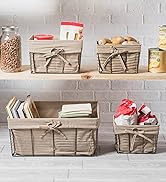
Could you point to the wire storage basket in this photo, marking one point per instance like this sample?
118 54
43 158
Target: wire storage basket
55 56
51 136
118 59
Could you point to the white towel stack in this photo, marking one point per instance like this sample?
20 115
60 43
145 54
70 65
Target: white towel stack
76 110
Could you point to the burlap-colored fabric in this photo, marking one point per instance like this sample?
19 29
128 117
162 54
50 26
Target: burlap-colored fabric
22 141
77 142
54 136
55 56
136 138
118 59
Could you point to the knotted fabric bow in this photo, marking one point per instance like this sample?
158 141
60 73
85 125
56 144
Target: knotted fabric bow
55 53
114 53
136 132
52 126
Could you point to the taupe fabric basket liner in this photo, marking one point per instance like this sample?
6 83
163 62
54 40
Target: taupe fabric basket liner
55 56
118 59
50 136
136 138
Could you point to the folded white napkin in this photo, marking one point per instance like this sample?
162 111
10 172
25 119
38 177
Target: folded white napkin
76 110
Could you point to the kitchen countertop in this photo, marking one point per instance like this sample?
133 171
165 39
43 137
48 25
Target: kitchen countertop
87 72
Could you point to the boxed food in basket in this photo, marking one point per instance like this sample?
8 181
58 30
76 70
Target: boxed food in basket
55 56
51 135
118 55
135 131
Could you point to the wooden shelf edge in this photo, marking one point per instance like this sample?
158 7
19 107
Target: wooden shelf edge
87 72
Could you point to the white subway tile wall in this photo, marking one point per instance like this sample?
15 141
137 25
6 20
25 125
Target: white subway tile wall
107 93
102 19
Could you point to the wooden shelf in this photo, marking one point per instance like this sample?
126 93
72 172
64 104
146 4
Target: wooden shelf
85 70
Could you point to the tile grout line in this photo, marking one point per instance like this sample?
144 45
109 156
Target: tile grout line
160 95
77 85
128 157
68 173
44 19
2 148
110 85
159 8
60 8
144 85
94 96
109 19
61 95
93 8
77 18
143 19
126 8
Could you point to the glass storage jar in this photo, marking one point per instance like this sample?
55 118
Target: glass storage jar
10 49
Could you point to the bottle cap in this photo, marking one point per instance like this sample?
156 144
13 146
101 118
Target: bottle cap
9 28
43 37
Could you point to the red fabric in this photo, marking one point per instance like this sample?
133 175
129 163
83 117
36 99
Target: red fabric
142 107
125 108
143 118
43 37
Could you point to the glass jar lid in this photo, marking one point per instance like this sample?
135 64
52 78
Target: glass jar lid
9 28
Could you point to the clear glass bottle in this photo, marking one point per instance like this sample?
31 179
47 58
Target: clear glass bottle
10 49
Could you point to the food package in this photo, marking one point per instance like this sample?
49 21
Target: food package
43 37
71 31
157 60
145 116
126 113
118 40
162 37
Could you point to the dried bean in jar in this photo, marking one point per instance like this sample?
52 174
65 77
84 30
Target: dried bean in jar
10 51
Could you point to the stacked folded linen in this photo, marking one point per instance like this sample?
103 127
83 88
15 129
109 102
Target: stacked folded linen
76 110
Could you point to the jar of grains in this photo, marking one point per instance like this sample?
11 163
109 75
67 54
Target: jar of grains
10 49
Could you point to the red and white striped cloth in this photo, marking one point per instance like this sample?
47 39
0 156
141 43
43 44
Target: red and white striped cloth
127 114
145 116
